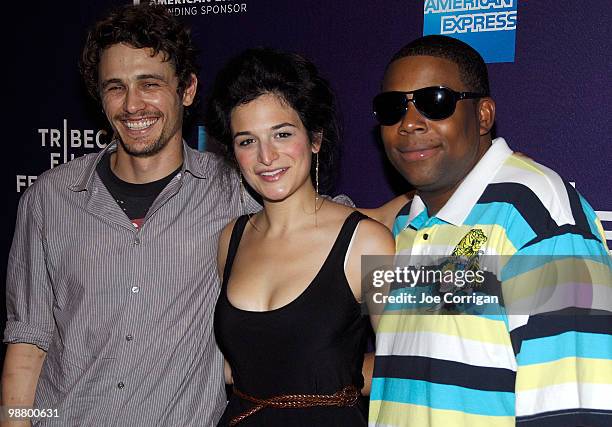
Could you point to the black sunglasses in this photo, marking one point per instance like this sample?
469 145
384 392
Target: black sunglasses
434 103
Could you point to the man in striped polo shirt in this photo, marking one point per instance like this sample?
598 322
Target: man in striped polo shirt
547 364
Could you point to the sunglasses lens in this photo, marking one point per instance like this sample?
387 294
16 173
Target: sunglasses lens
390 107
435 103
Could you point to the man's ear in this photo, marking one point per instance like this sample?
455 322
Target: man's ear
317 139
190 91
486 115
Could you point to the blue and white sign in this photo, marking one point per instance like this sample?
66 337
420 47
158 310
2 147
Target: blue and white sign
489 26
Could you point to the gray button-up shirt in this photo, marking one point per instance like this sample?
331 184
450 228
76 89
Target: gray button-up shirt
124 314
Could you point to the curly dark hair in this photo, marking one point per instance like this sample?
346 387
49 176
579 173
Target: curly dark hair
293 79
472 68
140 26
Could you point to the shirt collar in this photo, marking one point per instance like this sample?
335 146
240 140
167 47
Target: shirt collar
190 164
465 197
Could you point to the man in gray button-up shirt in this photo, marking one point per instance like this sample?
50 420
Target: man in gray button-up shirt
110 316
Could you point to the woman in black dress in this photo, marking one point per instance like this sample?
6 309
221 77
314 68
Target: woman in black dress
288 319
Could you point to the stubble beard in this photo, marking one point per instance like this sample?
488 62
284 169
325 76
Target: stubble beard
155 147
149 150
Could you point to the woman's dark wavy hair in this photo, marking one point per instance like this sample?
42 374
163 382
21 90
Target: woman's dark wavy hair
140 26
291 77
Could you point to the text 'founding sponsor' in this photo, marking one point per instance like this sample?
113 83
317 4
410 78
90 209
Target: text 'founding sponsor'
458 16
202 7
62 142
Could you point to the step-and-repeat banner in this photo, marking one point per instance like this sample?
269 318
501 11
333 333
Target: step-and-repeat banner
549 64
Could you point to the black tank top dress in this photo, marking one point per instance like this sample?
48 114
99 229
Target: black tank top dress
313 345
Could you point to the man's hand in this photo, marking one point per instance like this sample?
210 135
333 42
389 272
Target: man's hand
386 213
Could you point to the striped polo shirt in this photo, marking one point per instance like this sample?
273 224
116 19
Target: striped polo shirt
551 367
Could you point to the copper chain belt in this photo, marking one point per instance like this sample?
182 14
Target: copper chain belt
348 396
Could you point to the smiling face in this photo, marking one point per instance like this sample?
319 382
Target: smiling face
434 156
140 99
272 147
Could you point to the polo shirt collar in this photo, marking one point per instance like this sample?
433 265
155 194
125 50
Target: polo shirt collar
465 197
190 164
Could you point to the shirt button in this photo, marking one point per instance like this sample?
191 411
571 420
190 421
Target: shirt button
425 236
136 241
135 289
129 337
120 385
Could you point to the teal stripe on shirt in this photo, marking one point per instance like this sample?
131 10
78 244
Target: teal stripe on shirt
569 344
519 233
399 224
534 256
443 396
565 244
